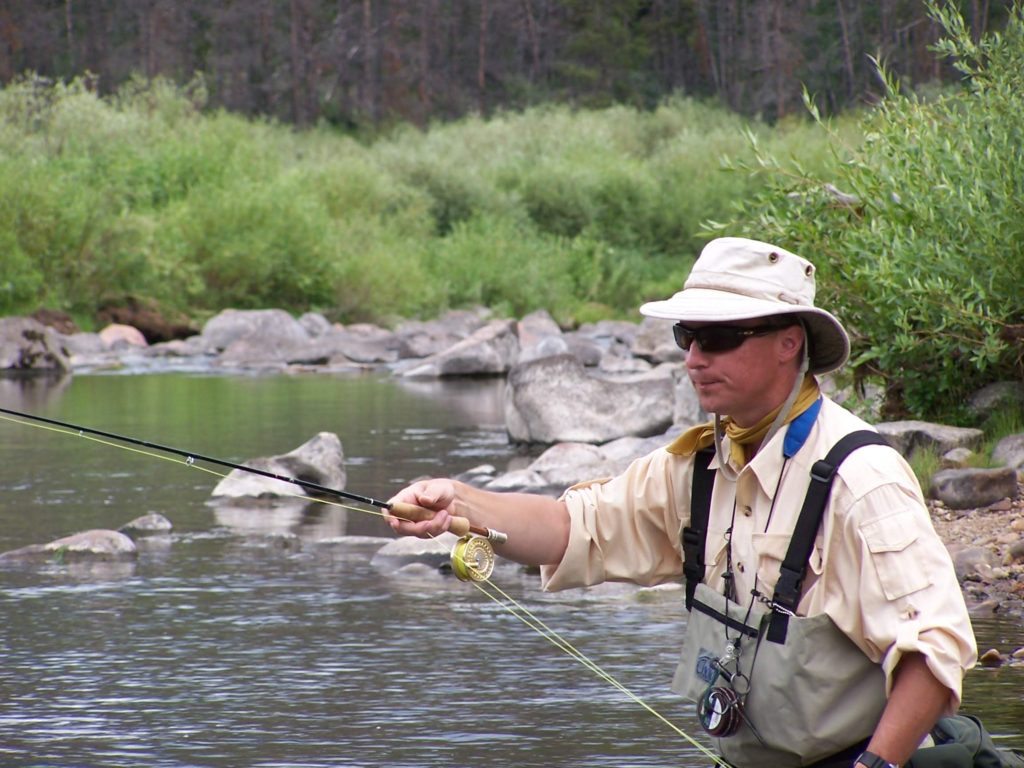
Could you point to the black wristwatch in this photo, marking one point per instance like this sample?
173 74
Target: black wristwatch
871 760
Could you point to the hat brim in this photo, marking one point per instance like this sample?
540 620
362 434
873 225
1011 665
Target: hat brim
830 344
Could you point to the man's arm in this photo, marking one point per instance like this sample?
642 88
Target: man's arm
916 701
537 526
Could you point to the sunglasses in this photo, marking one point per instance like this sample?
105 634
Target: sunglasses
720 338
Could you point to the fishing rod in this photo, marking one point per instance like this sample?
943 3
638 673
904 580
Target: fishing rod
459 525
472 558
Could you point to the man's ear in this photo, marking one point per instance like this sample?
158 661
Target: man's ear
791 342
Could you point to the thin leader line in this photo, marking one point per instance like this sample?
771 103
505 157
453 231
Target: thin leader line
510 604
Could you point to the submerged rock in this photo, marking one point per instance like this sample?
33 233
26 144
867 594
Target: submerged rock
93 545
320 460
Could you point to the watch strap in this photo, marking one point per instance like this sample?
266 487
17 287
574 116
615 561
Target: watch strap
871 760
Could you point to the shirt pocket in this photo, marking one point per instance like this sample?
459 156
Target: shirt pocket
771 550
896 553
715 551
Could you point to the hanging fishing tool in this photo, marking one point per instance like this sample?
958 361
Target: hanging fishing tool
472 557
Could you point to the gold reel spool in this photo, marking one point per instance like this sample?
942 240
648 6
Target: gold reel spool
473 558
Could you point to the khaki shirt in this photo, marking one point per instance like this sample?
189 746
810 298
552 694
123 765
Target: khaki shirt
878 568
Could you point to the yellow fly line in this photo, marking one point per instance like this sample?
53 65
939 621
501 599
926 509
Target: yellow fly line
472 561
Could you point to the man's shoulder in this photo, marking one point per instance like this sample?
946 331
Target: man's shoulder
866 467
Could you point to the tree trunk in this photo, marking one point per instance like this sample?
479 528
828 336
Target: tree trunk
531 35
844 30
369 90
481 71
70 30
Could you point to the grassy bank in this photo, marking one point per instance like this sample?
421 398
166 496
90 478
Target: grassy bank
147 195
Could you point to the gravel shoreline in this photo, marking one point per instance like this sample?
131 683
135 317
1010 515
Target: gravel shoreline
994 585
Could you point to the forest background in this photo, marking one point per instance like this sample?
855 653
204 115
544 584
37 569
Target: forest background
383 159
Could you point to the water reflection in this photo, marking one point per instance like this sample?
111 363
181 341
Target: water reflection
309 521
255 636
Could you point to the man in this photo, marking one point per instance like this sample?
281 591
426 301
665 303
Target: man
875 650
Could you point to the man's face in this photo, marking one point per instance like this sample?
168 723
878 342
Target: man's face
749 380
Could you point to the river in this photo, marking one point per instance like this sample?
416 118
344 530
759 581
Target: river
271 639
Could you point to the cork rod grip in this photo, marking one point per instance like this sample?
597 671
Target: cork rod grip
460 525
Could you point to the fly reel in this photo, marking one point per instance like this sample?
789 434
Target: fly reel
473 558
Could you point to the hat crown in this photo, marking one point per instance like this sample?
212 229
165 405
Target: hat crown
755 269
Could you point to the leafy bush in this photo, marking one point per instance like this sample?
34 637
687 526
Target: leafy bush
145 194
923 256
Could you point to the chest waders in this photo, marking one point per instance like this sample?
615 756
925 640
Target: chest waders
806 691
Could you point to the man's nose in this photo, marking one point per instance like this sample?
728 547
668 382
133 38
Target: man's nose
695 356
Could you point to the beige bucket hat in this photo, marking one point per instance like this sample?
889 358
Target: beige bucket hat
740 279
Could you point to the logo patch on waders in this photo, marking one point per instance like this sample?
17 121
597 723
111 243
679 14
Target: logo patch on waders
705 667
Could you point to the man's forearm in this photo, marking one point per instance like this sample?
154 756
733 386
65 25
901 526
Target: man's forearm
537 526
916 701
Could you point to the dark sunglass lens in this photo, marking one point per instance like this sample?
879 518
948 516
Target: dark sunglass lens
719 338
684 336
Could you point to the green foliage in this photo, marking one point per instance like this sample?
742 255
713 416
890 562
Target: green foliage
584 213
925 260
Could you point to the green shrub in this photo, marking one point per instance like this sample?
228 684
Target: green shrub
145 194
925 260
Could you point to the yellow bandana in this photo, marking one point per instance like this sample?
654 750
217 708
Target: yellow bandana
703 435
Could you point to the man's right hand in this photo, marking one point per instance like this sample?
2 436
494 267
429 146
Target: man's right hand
437 494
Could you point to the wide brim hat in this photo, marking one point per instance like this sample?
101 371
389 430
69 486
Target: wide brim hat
739 279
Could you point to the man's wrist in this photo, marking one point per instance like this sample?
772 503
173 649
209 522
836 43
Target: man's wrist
871 760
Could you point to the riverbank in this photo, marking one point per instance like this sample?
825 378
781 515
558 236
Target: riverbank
981 521
987 545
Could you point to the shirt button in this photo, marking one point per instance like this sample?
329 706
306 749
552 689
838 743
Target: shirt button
740 568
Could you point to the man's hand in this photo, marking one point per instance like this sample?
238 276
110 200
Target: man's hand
438 495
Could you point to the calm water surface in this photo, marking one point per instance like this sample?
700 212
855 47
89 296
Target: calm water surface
271 639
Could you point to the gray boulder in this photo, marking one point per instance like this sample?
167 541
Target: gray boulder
654 342
419 339
995 396
93 545
973 562
586 350
540 336
315 324
489 351
909 436
970 488
359 343
319 460
153 524
1010 452
555 400
253 338
28 345
400 552
612 336
229 326
687 410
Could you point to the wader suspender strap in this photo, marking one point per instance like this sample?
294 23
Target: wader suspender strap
794 567
696 533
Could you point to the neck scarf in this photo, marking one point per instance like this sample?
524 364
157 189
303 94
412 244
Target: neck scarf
742 439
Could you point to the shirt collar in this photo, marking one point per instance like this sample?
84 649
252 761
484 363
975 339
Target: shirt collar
767 464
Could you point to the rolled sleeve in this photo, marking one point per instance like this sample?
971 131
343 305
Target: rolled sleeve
627 528
908 599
